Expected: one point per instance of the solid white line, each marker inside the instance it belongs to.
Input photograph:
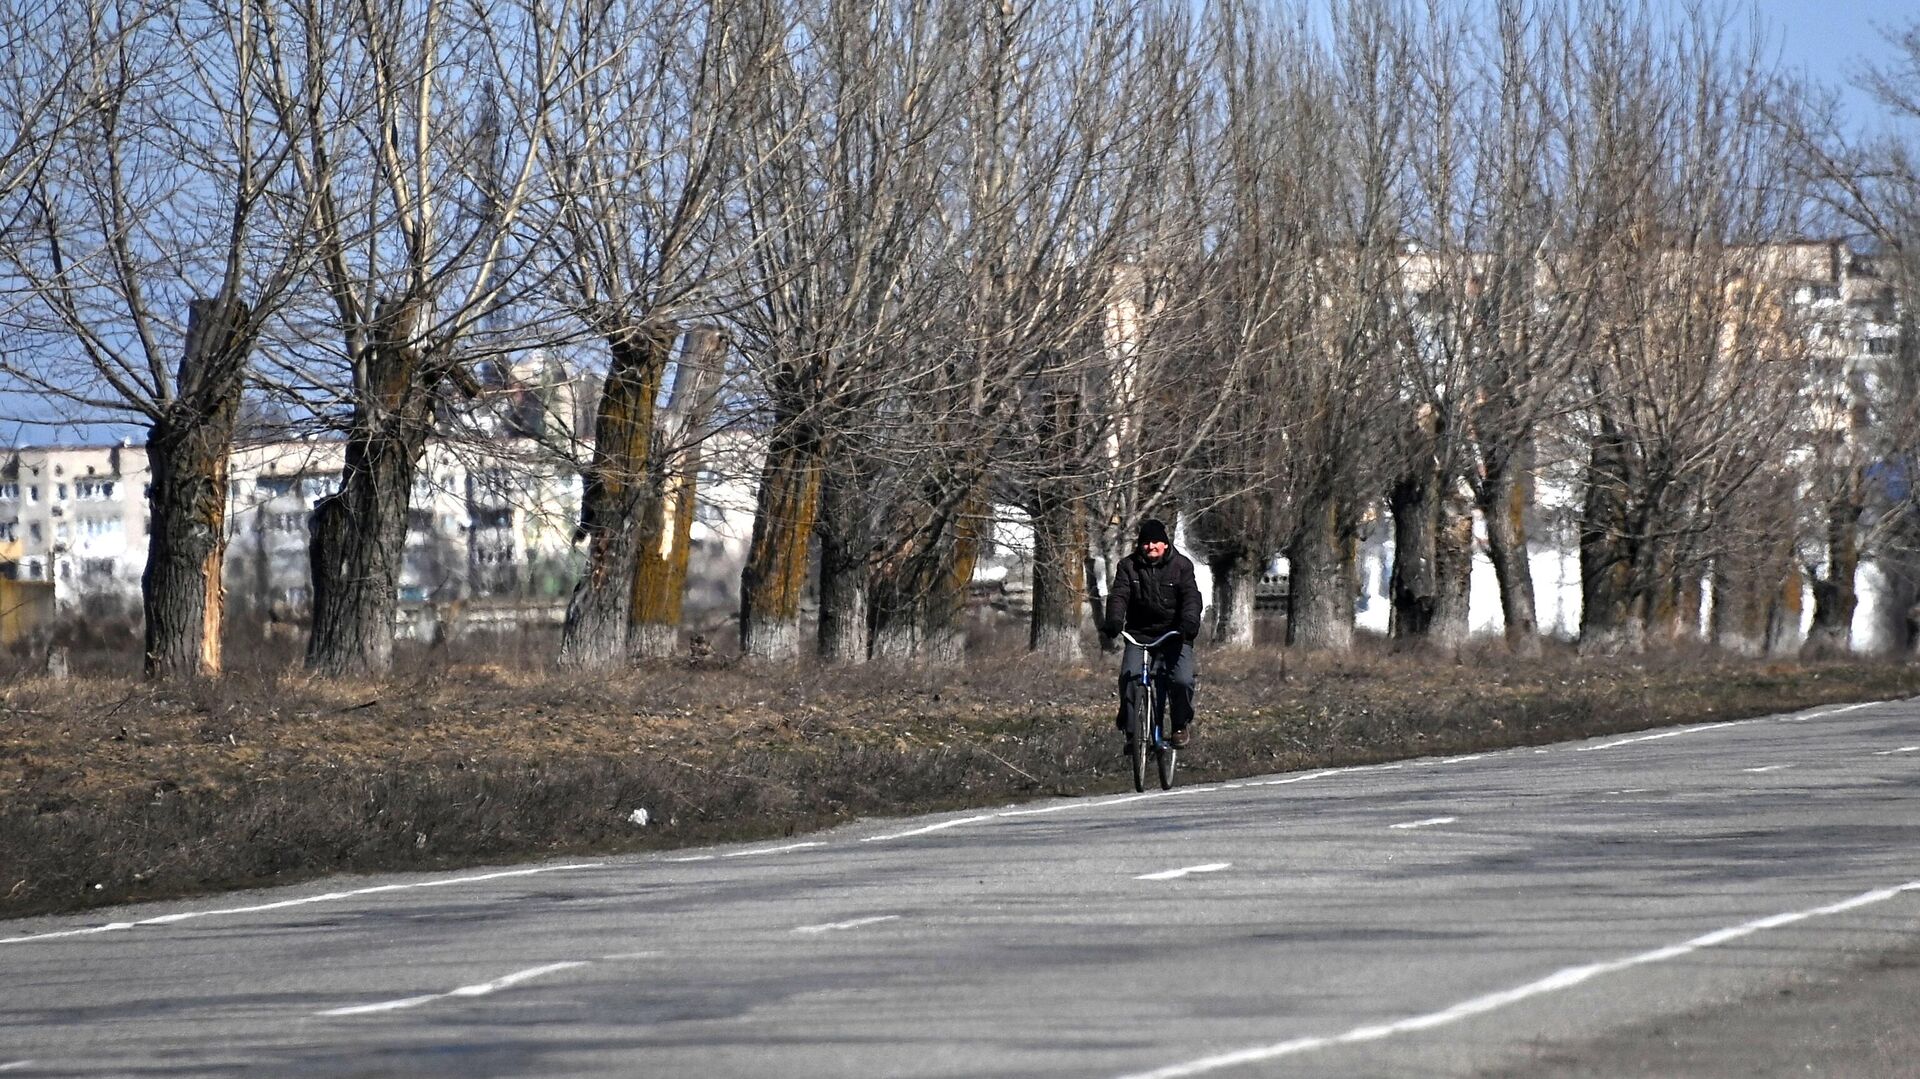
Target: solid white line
(1653, 737)
(942, 826)
(1428, 823)
(1811, 716)
(479, 990)
(855, 924)
(771, 850)
(1170, 874)
(1768, 768)
(1562, 979)
(1902, 749)
(15, 1065)
(168, 919)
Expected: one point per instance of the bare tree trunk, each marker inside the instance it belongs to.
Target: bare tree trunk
(360, 531)
(1607, 618)
(1320, 585)
(1834, 592)
(1739, 620)
(1453, 574)
(1414, 586)
(594, 636)
(1784, 636)
(1236, 570)
(845, 572)
(920, 603)
(1059, 577)
(187, 452)
(1503, 501)
(673, 467)
(776, 571)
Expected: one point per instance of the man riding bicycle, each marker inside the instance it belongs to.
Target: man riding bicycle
(1154, 592)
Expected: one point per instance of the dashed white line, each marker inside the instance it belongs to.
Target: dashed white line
(854, 924)
(1768, 768)
(1902, 749)
(1655, 737)
(479, 990)
(1172, 874)
(1562, 979)
(168, 919)
(1428, 823)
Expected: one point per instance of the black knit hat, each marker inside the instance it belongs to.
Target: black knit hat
(1152, 531)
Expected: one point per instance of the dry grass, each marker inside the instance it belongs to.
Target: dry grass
(115, 790)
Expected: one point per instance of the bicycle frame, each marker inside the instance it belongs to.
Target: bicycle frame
(1154, 670)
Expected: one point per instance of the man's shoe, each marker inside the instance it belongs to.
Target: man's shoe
(1181, 736)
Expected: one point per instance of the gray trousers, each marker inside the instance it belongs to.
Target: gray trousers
(1179, 694)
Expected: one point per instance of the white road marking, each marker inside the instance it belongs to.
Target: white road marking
(855, 924)
(1654, 737)
(622, 956)
(1811, 716)
(1561, 979)
(1769, 768)
(15, 1065)
(772, 850)
(1428, 823)
(942, 826)
(1170, 874)
(1902, 749)
(168, 919)
(479, 990)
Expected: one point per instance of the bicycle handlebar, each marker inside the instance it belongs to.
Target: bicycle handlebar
(1155, 643)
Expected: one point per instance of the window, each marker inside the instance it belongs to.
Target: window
(493, 518)
(9, 492)
(59, 492)
(419, 520)
(34, 532)
(34, 569)
(318, 485)
(93, 527)
(9, 531)
(273, 486)
(1880, 346)
(96, 567)
(33, 493)
(708, 513)
(286, 522)
(93, 490)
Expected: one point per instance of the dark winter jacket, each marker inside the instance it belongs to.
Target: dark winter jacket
(1150, 598)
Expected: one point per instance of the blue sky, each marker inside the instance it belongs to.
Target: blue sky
(1833, 39)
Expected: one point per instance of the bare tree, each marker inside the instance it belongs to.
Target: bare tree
(1688, 386)
(147, 270)
(411, 180)
(853, 135)
(641, 158)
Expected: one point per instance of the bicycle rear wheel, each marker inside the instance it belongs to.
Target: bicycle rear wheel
(1138, 732)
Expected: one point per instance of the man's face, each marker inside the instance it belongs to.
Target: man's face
(1154, 549)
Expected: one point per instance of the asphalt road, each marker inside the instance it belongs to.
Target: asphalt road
(1441, 917)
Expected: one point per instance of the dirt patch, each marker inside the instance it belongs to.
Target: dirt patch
(112, 790)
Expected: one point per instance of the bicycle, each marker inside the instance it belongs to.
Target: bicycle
(1147, 711)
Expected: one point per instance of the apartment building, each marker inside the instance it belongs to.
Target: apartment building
(494, 519)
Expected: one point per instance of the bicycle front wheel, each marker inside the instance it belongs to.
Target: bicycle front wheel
(1166, 767)
(1138, 732)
